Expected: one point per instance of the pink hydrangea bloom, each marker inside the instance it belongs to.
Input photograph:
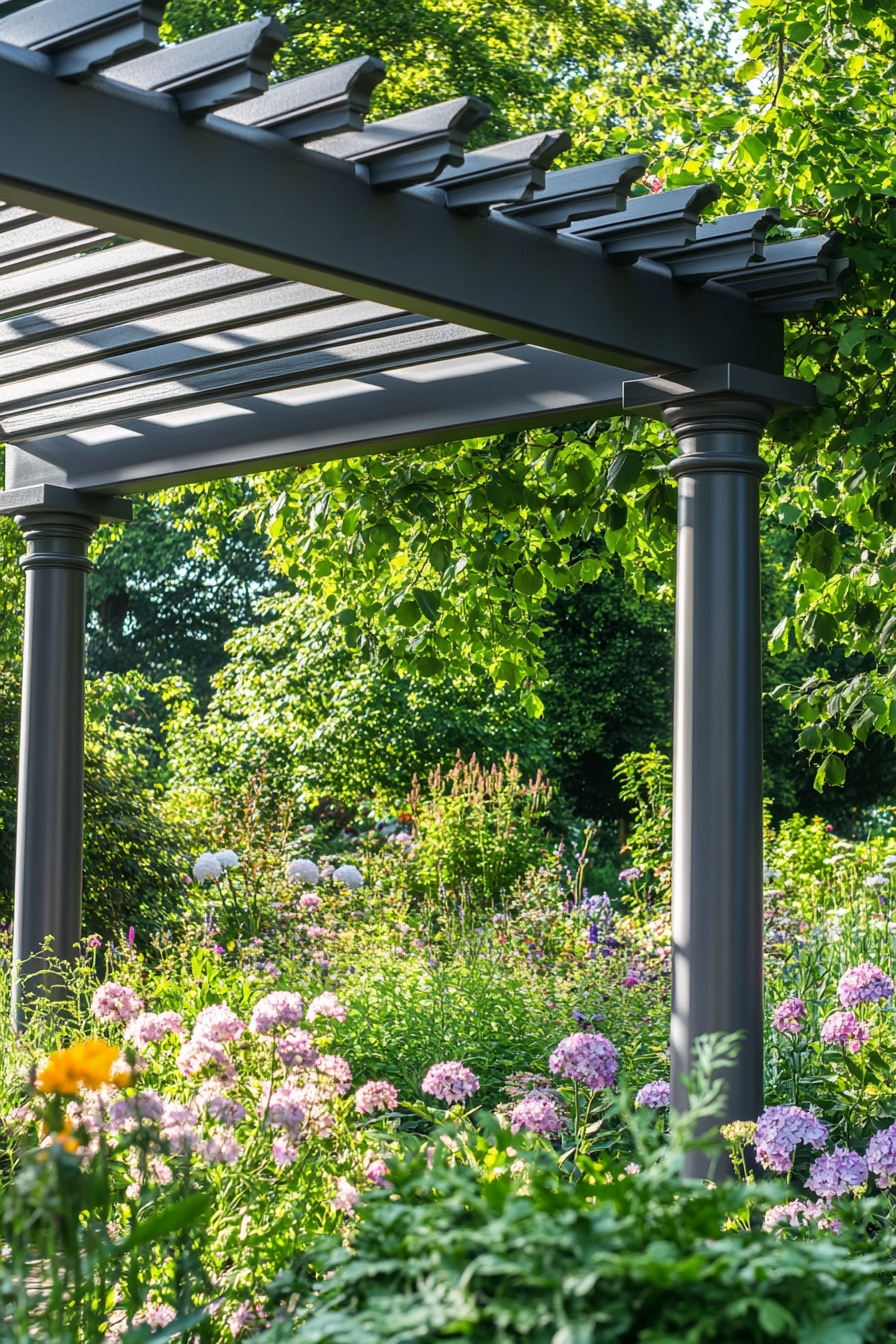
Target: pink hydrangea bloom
(845, 1029)
(283, 1151)
(218, 1023)
(115, 1003)
(881, 1155)
(309, 901)
(778, 1132)
(656, 1095)
(864, 983)
(346, 1196)
(375, 1096)
(151, 1027)
(197, 1055)
(315, 931)
(327, 1005)
(221, 1148)
(297, 1049)
(285, 1109)
(588, 1058)
(337, 1069)
(376, 1173)
(836, 1173)
(225, 1110)
(159, 1314)
(450, 1082)
(538, 1114)
(315, 1102)
(274, 1011)
(796, 1213)
(789, 1017)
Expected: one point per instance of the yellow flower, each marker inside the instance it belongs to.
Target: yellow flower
(88, 1064)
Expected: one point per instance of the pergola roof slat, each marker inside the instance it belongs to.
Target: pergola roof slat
(511, 171)
(83, 35)
(651, 223)
(213, 344)
(96, 273)
(326, 102)
(208, 72)
(728, 243)
(193, 388)
(209, 298)
(154, 327)
(581, 193)
(34, 235)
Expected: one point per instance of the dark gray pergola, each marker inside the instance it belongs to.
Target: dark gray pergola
(201, 276)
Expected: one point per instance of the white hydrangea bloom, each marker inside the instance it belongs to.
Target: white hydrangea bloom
(206, 866)
(227, 858)
(349, 876)
(304, 870)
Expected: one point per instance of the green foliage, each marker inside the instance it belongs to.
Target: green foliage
(477, 829)
(498, 1255)
(645, 781)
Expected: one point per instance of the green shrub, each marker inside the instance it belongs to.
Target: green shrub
(514, 1251)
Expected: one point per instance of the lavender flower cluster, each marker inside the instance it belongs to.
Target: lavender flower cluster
(587, 1058)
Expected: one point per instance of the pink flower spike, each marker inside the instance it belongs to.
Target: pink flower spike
(347, 1196)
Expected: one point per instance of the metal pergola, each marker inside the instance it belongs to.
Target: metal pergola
(202, 276)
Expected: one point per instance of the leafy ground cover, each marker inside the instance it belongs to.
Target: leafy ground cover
(355, 1091)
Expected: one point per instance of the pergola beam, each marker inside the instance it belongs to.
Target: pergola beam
(248, 197)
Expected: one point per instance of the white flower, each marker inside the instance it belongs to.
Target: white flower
(889, 860)
(206, 866)
(878, 880)
(304, 870)
(349, 876)
(227, 858)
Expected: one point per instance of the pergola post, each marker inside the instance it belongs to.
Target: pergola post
(717, 916)
(49, 837)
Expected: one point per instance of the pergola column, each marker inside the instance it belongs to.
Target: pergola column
(50, 826)
(717, 915)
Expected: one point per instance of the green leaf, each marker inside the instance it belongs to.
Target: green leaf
(408, 613)
(812, 738)
(440, 555)
(428, 602)
(615, 516)
(158, 1225)
(831, 771)
(624, 470)
(528, 580)
(753, 147)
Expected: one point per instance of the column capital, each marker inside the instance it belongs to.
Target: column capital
(32, 500)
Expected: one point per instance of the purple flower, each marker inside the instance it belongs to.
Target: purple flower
(588, 1058)
(797, 1213)
(220, 1148)
(218, 1023)
(337, 1071)
(309, 901)
(132, 936)
(377, 1172)
(297, 1049)
(198, 1055)
(655, 1095)
(881, 1155)
(789, 1016)
(376, 1096)
(778, 1132)
(864, 983)
(285, 1109)
(836, 1173)
(631, 874)
(151, 1027)
(450, 1082)
(283, 1151)
(225, 1110)
(94, 941)
(845, 1029)
(538, 1114)
(280, 1009)
(327, 1005)
(115, 1003)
